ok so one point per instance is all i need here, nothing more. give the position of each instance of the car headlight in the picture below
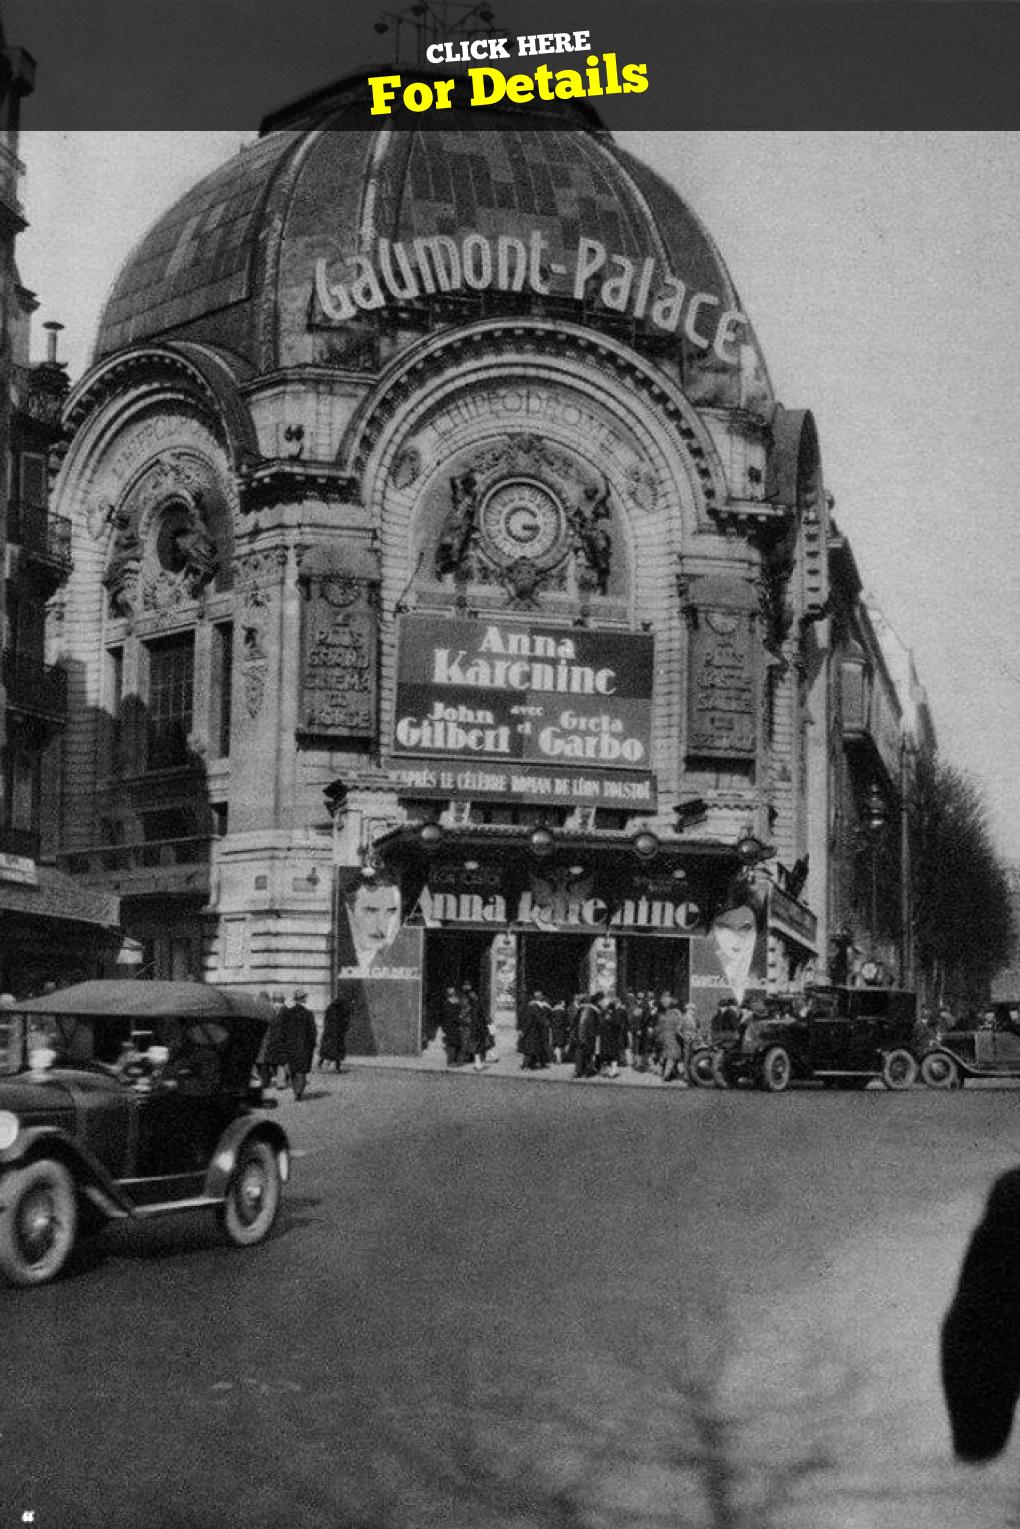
(10, 1125)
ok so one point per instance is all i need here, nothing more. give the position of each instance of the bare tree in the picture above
(963, 922)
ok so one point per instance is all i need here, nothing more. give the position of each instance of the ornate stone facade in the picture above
(263, 494)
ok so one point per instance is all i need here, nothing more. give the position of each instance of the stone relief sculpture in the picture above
(459, 527)
(593, 543)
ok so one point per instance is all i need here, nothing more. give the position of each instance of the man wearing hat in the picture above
(298, 1035)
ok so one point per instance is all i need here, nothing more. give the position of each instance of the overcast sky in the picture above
(882, 274)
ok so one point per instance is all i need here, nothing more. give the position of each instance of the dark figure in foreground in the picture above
(981, 1332)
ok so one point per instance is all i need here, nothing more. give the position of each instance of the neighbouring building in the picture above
(452, 597)
(51, 928)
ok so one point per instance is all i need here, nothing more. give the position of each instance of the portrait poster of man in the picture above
(378, 965)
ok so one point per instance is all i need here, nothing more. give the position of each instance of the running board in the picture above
(200, 1202)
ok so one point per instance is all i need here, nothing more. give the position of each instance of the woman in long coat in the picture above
(535, 1032)
(335, 1022)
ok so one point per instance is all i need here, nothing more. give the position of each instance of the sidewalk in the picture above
(506, 1063)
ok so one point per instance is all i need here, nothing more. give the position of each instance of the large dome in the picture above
(232, 263)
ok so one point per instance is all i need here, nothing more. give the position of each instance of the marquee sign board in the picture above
(566, 714)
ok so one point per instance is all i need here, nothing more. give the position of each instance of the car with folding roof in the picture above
(125, 1100)
(990, 1051)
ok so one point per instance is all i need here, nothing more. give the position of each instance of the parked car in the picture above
(130, 1100)
(842, 1036)
(992, 1051)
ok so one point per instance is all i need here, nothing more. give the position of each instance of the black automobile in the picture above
(129, 1100)
(842, 1036)
(991, 1051)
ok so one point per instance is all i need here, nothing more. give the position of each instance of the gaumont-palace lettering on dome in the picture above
(405, 269)
(492, 690)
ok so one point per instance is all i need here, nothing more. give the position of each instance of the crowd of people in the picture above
(598, 1034)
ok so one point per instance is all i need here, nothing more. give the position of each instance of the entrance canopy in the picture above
(489, 875)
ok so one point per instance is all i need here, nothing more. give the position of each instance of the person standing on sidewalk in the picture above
(670, 1048)
(477, 1028)
(535, 1032)
(689, 1035)
(558, 1031)
(585, 1052)
(298, 1035)
(612, 1026)
(335, 1022)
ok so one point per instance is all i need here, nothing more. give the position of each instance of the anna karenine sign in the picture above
(567, 700)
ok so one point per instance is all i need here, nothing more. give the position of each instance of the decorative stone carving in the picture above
(527, 515)
(407, 468)
(164, 549)
(255, 659)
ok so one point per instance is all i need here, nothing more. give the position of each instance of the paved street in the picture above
(496, 1303)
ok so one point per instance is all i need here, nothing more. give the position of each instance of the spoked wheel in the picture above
(253, 1195)
(700, 1069)
(899, 1070)
(39, 1224)
(938, 1070)
(776, 1070)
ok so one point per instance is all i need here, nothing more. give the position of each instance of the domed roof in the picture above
(233, 263)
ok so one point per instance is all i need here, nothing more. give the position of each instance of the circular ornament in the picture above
(522, 519)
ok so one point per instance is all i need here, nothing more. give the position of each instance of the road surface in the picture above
(497, 1302)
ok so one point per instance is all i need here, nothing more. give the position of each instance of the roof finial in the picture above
(430, 23)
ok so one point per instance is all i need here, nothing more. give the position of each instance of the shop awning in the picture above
(54, 895)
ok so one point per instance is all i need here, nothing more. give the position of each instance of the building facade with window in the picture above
(451, 592)
(51, 929)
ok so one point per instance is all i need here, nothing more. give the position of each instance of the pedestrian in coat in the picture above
(689, 1034)
(298, 1036)
(449, 1023)
(478, 1036)
(469, 1018)
(535, 1032)
(273, 1053)
(670, 1047)
(335, 1023)
(586, 1050)
(612, 1028)
(558, 1031)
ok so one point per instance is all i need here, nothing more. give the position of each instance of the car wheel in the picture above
(939, 1071)
(253, 1195)
(718, 1064)
(899, 1070)
(39, 1222)
(700, 1069)
(776, 1070)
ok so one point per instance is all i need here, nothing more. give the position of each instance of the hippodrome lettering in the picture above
(406, 269)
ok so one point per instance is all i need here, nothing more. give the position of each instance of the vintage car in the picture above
(993, 1051)
(841, 1036)
(131, 1099)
